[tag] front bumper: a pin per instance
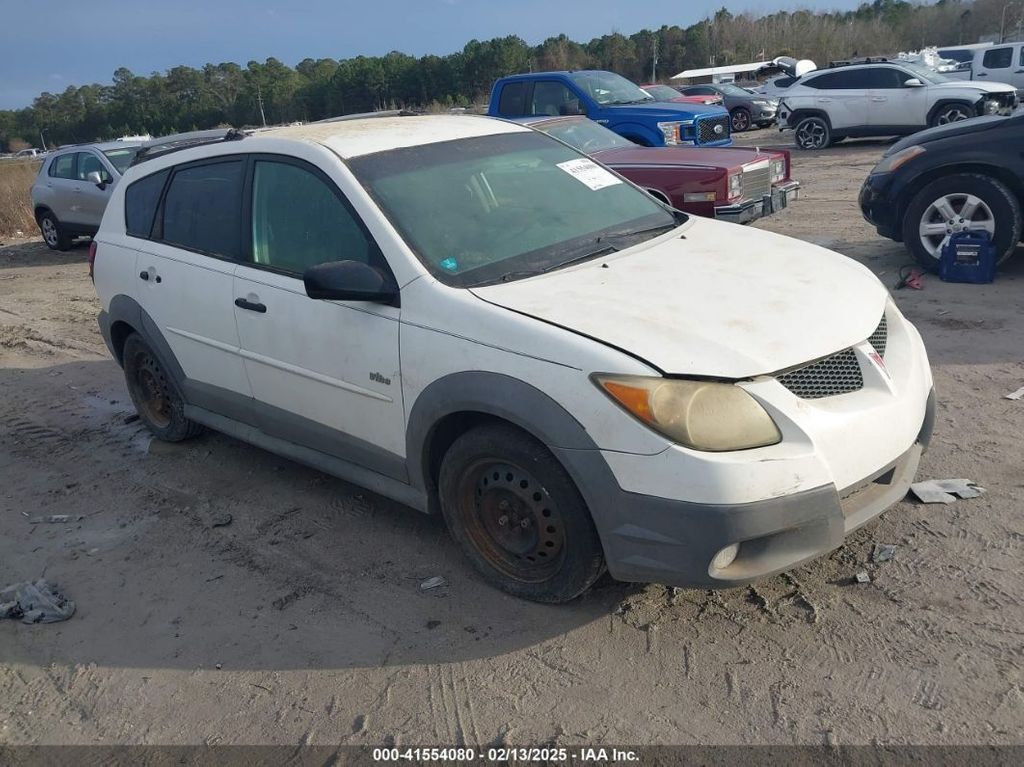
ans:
(749, 210)
(878, 207)
(673, 542)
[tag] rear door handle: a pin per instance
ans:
(252, 306)
(982, 74)
(879, 98)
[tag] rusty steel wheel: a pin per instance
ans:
(518, 515)
(512, 520)
(154, 395)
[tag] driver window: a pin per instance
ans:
(90, 163)
(298, 221)
(553, 99)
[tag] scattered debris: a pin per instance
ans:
(883, 552)
(57, 519)
(38, 602)
(863, 577)
(433, 583)
(219, 666)
(220, 519)
(431, 625)
(945, 490)
(1016, 394)
(131, 418)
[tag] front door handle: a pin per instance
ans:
(879, 98)
(982, 74)
(252, 306)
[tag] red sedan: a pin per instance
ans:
(731, 183)
(668, 93)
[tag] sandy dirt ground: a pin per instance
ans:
(302, 621)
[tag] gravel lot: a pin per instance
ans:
(302, 621)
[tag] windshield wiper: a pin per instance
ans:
(618, 236)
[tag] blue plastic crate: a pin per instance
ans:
(968, 257)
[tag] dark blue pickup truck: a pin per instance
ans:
(614, 102)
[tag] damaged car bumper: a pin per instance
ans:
(749, 210)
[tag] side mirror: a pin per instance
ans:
(349, 281)
(571, 108)
(94, 177)
(913, 82)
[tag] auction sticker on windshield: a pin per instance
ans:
(589, 173)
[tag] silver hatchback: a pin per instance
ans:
(73, 186)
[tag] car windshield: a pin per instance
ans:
(585, 135)
(732, 90)
(609, 88)
(662, 92)
(121, 158)
(925, 74)
(497, 208)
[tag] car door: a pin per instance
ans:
(185, 269)
(325, 373)
(92, 200)
(891, 102)
(996, 64)
(553, 98)
(843, 95)
(60, 184)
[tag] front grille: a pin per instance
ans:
(838, 374)
(706, 129)
(757, 181)
(880, 337)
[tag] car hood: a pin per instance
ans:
(974, 85)
(974, 125)
(665, 110)
(709, 299)
(682, 156)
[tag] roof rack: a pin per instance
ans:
(365, 115)
(158, 147)
(857, 62)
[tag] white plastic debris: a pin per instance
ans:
(945, 490)
(863, 577)
(38, 602)
(883, 552)
(1016, 394)
(433, 583)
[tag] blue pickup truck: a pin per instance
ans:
(614, 102)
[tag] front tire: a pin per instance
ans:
(156, 398)
(970, 201)
(54, 235)
(813, 133)
(952, 113)
(740, 120)
(518, 516)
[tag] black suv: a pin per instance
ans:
(967, 175)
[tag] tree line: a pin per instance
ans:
(271, 92)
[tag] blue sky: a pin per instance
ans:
(71, 42)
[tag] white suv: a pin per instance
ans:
(472, 318)
(882, 99)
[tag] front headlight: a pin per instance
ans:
(778, 170)
(671, 131)
(735, 185)
(894, 161)
(991, 107)
(703, 415)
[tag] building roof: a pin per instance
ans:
(712, 71)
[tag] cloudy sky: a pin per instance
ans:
(47, 47)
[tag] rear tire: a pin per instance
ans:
(156, 398)
(988, 204)
(517, 515)
(813, 133)
(54, 235)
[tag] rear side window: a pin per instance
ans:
(998, 58)
(298, 221)
(140, 201)
(203, 206)
(845, 80)
(783, 82)
(63, 166)
(513, 99)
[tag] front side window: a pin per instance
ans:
(202, 208)
(608, 88)
(998, 58)
(140, 201)
(90, 163)
(552, 98)
(63, 166)
(298, 221)
(496, 208)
